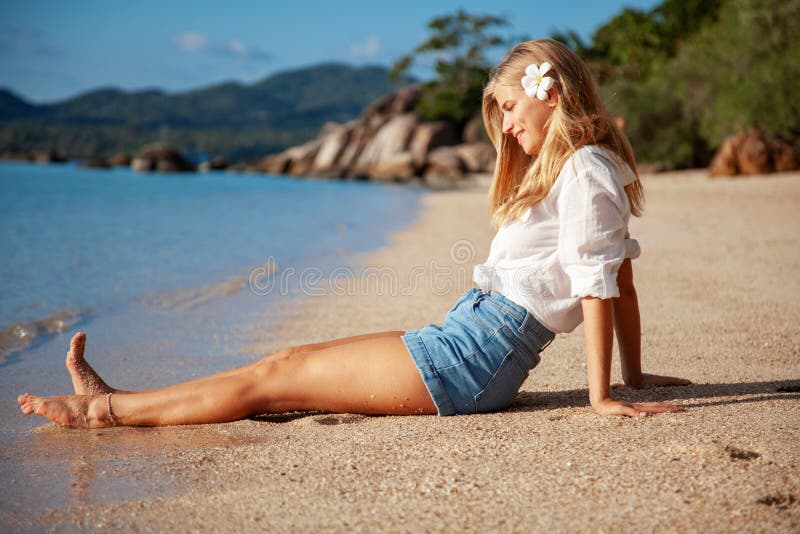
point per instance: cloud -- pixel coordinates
(365, 50)
(25, 41)
(196, 42)
(237, 47)
(191, 41)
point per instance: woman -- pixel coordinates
(563, 190)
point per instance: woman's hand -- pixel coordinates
(645, 380)
(610, 406)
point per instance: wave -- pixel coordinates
(189, 299)
(21, 335)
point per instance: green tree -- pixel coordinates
(459, 44)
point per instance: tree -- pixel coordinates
(459, 44)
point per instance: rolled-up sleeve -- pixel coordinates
(593, 216)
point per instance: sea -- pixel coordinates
(168, 274)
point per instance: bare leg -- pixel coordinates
(371, 376)
(86, 381)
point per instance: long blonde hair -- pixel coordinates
(580, 118)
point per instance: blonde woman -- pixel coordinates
(563, 191)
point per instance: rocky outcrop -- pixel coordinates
(753, 153)
(160, 158)
(217, 163)
(389, 142)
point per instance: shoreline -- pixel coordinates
(719, 298)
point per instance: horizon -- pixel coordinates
(51, 52)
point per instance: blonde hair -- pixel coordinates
(580, 118)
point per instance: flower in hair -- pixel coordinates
(535, 82)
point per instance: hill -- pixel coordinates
(230, 118)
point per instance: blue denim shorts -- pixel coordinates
(478, 359)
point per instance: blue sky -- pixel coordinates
(51, 50)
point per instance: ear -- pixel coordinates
(552, 97)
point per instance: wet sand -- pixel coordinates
(719, 290)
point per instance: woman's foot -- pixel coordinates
(80, 411)
(85, 380)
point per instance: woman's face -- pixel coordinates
(525, 118)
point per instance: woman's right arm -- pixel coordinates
(627, 326)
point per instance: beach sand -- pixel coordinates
(720, 301)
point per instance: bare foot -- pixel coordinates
(81, 411)
(85, 380)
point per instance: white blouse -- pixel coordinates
(569, 245)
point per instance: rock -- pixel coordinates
(785, 156)
(96, 163)
(754, 155)
(474, 132)
(217, 163)
(49, 156)
(120, 160)
(246, 166)
(274, 164)
(359, 135)
(443, 163)
(392, 138)
(302, 157)
(16, 156)
(725, 161)
(477, 157)
(402, 101)
(333, 143)
(143, 164)
(405, 100)
(430, 135)
(161, 158)
(396, 167)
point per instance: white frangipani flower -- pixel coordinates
(535, 82)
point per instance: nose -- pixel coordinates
(508, 126)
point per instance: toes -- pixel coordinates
(26, 403)
(77, 345)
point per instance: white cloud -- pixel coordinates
(365, 50)
(235, 46)
(195, 42)
(191, 41)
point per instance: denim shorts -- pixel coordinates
(478, 359)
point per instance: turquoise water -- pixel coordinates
(158, 271)
(79, 244)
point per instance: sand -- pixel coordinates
(719, 290)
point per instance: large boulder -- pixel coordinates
(754, 152)
(392, 138)
(302, 157)
(726, 161)
(443, 164)
(161, 158)
(396, 167)
(333, 142)
(402, 101)
(474, 131)
(272, 164)
(120, 160)
(477, 157)
(217, 163)
(430, 135)
(785, 156)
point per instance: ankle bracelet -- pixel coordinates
(110, 411)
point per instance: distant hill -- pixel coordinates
(232, 119)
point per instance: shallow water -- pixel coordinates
(167, 274)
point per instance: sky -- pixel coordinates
(51, 50)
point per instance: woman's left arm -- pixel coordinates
(598, 321)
